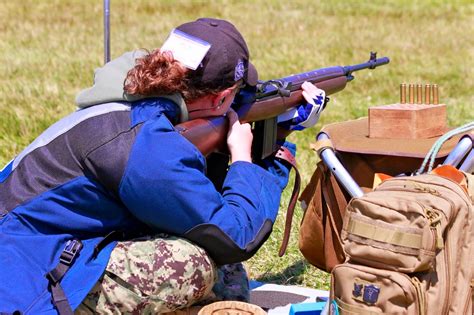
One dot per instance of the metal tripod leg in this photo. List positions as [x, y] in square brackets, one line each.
[463, 147]
[329, 158]
[468, 164]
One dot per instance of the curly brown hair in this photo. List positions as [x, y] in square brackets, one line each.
[158, 73]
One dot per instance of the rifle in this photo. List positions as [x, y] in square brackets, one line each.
[262, 104]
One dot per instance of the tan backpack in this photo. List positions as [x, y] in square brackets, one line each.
[409, 248]
[324, 202]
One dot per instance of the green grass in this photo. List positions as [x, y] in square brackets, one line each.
[49, 50]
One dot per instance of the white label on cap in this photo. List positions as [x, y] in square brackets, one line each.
[187, 49]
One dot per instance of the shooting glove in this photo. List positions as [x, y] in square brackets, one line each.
[307, 114]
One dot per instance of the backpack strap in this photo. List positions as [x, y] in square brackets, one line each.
[66, 259]
[470, 190]
[472, 295]
[470, 185]
[284, 154]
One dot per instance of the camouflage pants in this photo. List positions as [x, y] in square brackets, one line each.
[162, 274]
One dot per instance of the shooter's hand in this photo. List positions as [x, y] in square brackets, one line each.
[307, 114]
[239, 138]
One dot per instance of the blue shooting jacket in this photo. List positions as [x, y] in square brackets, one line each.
[120, 166]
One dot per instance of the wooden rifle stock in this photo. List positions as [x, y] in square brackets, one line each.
[271, 107]
[210, 134]
[207, 134]
[272, 98]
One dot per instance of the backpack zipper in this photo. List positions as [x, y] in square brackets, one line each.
[434, 217]
[420, 190]
[447, 258]
[469, 296]
[420, 301]
[420, 294]
[464, 195]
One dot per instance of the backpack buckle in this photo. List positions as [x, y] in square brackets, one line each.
[70, 251]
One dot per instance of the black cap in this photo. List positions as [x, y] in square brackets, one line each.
[227, 61]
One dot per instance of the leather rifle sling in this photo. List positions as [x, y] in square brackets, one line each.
[284, 154]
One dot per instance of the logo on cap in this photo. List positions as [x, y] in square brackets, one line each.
[239, 70]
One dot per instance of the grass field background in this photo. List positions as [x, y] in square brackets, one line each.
[49, 50]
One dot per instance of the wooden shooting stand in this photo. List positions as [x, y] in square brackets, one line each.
[363, 156]
[410, 120]
[407, 121]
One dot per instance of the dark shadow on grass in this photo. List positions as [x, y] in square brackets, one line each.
[290, 276]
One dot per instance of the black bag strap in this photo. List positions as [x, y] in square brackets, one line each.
[66, 259]
[119, 236]
[111, 237]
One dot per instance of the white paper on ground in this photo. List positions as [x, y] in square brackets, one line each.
[312, 294]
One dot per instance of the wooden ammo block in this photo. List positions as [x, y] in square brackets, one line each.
[407, 121]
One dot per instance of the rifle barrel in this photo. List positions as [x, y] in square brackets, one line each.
[295, 81]
[371, 64]
[313, 76]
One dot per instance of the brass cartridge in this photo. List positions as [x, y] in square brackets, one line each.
[427, 94]
[435, 94]
[419, 94]
[403, 93]
[411, 93]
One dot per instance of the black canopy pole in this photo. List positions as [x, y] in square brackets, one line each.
[106, 31]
